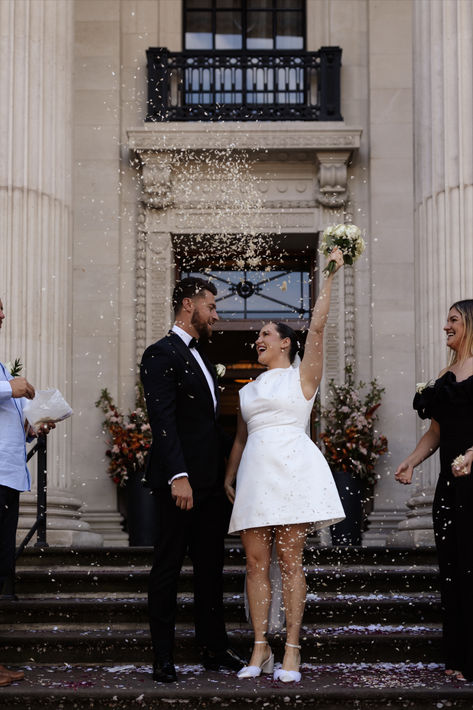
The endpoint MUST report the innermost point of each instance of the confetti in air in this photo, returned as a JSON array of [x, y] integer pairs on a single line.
[[223, 187]]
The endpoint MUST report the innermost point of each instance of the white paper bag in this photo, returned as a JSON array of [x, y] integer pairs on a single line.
[[47, 406]]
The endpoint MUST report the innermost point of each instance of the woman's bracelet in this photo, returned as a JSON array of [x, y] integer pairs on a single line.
[[470, 449]]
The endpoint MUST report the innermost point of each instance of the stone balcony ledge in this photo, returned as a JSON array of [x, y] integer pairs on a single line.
[[271, 135]]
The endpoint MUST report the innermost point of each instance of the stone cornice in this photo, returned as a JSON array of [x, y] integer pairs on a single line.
[[274, 135]]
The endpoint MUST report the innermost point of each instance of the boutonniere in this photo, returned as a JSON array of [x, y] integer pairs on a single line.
[[220, 370], [15, 367]]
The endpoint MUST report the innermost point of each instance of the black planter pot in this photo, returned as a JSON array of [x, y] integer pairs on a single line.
[[348, 531], [140, 513]]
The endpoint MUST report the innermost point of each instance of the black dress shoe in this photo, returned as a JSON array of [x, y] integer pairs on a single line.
[[215, 660], [164, 671]]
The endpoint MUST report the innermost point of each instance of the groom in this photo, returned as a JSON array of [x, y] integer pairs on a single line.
[[185, 471]]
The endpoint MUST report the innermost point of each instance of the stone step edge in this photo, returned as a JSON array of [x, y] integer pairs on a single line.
[[230, 543], [384, 696], [308, 692], [29, 604], [236, 634], [338, 571]]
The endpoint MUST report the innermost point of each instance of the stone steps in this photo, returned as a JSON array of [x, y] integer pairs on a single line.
[[234, 554], [350, 686], [375, 642], [81, 624], [320, 608], [133, 580]]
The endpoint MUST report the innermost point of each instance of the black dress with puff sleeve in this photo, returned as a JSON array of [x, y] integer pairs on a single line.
[[450, 403]]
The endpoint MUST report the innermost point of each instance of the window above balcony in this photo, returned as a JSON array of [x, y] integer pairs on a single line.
[[244, 60], [233, 25]]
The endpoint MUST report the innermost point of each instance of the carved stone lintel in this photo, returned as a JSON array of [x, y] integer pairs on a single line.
[[333, 177]]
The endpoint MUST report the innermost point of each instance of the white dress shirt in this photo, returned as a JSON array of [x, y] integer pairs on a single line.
[[186, 338]]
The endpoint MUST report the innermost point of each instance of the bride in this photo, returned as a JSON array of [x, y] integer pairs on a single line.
[[284, 487]]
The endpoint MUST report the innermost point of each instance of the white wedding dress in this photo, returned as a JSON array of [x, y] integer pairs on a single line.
[[283, 478]]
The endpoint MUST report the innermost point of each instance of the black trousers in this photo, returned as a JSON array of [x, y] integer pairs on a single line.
[[453, 527], [9, 509], [200, 534]]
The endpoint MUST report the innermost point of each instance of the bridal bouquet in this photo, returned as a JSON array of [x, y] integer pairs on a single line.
[[347, 237], [128, 436]]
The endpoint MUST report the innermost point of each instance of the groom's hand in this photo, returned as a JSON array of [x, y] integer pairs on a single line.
[[181, 491]]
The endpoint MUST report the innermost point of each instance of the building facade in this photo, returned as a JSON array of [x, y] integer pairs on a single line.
[[125, 168]]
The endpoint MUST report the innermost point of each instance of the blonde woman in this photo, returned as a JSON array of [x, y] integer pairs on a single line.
[[448, 403]]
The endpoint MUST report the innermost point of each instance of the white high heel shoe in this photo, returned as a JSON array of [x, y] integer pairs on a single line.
[[254, 671], [288, 676]]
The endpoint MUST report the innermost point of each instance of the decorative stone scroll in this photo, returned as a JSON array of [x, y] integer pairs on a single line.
[[332, 176], [156, 179]]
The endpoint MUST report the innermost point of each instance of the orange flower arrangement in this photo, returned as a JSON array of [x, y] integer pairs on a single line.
[[351, 440], [128, 437]]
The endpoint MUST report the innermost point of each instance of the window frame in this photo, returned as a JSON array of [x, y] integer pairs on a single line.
[[294, 260], [245, 8]]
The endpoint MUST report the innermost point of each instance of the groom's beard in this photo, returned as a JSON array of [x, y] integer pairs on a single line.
[[201, 326]]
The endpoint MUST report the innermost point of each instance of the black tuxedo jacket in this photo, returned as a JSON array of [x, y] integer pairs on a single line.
[[186, 434]]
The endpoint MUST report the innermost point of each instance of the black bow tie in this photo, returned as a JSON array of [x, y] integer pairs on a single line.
[[194, 343]]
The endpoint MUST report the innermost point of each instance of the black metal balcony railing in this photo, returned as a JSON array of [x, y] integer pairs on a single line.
[[244, 86]]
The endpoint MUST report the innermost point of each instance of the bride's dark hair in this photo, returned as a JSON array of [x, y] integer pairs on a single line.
[[285, 331]]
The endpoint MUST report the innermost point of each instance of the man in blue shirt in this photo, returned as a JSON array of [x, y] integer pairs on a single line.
[[14, 474]]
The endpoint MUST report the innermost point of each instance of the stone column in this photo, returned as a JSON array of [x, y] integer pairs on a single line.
[[443, 66], [390, 279], [36, 40]]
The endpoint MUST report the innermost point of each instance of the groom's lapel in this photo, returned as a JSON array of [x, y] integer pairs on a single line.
[[192, 363]]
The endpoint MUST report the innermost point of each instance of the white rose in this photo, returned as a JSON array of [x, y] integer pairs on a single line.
[[353, 232], [8, 366], [340, 230], [360, 246], [220, 370]]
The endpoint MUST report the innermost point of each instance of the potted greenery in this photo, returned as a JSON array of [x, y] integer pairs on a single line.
[[129, 440], [352, 446]]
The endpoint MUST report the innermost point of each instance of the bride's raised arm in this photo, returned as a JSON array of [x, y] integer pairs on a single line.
[[312, 363]]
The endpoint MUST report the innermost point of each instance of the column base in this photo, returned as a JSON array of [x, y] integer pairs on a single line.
[[416, 530], [109, 526], [65, 526], [382, 524]]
